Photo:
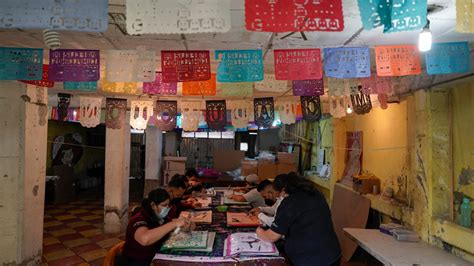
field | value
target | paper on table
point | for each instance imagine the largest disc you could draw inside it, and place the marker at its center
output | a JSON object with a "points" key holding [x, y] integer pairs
{"points": [[198, 217], [248, 244], [242, 219], [194, 239]]}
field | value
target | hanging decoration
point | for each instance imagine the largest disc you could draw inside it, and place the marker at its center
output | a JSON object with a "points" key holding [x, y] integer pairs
{"points": [[400, 60], [383, 100], [447, 58], [216, 114], [270, 84], [401, 85], [464, 16], [241, 89], [186, 65], [337, 87], [74, 65], [21, 63], [311, 108], [131, 65], [140, 114], [64, 100], [203, 88], [190, 115], [90, 108], [240, 113], [352, 86], [338, 105], [159, 87], [347, 62], [298, 64], [376, 85], [286, 108], [115, 111], [395, 16], [177, 17], [310, 87], [264, 112], [361, 103], [118, 87], [166, 113], [239, 65], [290, 15], [84, 15], [80, 86], [44, 82]]}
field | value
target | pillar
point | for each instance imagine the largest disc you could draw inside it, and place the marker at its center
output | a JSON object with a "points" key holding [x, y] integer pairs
{"points": [[117, 172], [23, 138], [153, 151]]}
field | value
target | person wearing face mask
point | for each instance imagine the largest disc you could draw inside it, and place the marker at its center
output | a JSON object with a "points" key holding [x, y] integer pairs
{"points": [[147, 229], [176, 188], [267, 214], [304, 218]]}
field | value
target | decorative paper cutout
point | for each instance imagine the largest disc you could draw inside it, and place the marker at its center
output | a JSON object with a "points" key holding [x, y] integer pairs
{"points": [[216, 115], [240, 113], [90, 108], [290, 15], [398, 60], [21, 63], [131, 65], [361, 103], [383, 98], [393, 15], [64, 100], [264, 112], [311, 108], [338, 106], [298, 64], [177, 16], [190, 115], [195, 239], [159, 87], [243, 89], [44, 82], [376, 85], [84, 15], [140, 113], [286, 108], [269, 83], [311, 87], [347, 62], [81, 86], [115, 111], [185, 66], [74, 65], [401, 84], [337, 87], [446, 58], [118, 87], [207, 87], [464, 16], [239, 65], [166, 112]]}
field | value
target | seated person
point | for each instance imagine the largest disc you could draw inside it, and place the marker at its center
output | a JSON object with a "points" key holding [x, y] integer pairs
{"points": [[176, 188], [267, 214], [304, 218], [195, 185], [147, 229], [251, 182], [255, 197]]}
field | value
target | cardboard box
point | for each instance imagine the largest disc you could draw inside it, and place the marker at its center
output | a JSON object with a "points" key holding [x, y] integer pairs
{"points": [[249, 167], [227, 160], [285, 168], [169, 174], [175, 163], [286, 158], [267, 170]]}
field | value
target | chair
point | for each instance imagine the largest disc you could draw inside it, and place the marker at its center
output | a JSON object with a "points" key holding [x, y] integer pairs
{"points": [[109, 259]]}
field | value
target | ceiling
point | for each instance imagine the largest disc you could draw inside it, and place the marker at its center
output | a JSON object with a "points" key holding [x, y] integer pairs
{"points": [[442, 25]]}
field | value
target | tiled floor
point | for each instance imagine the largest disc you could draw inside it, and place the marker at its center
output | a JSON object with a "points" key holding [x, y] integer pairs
{"points": [[73, 234]]}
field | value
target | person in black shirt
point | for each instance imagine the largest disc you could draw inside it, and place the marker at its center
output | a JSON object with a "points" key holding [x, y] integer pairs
{"points": [[304, 218]]}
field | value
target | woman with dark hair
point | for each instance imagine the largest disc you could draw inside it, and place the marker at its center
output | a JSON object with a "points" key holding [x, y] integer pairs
{"points": [[304, 218], [147, 228]]}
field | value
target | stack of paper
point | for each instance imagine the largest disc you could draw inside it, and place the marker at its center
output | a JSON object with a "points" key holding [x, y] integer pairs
{"points": [[198, 217], [242, 219], [231, 201], [184, 241], [248, 244]]}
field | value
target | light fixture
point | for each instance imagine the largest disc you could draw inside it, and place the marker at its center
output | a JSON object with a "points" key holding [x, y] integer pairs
{"points": [[425, 38], [349, 110], [74, 113]]}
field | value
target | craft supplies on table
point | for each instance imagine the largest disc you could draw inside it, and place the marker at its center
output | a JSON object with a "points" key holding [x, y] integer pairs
{"points": [[182, 240], [388, 228], [242, 219], [248, 244], [198, 217], [228, 201]]}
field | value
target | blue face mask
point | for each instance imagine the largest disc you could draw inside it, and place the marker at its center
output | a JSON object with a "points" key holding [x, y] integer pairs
{"points": [[163, 212]]}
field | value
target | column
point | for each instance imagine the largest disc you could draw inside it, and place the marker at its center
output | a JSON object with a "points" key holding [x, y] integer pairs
{"points": [[117, 171], [23, 138], [153, 151]]}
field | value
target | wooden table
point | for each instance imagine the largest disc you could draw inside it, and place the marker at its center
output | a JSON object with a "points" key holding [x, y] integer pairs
{"points": [[392, 252]]}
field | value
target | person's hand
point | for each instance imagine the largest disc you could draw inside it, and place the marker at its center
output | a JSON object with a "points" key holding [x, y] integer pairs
{"points": [[259, 231], [180, 222], [196, 205], [255, 211], [189, 226]]}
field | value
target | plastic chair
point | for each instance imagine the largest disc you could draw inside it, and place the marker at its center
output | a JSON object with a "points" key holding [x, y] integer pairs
{"points": [[109, 259]]}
